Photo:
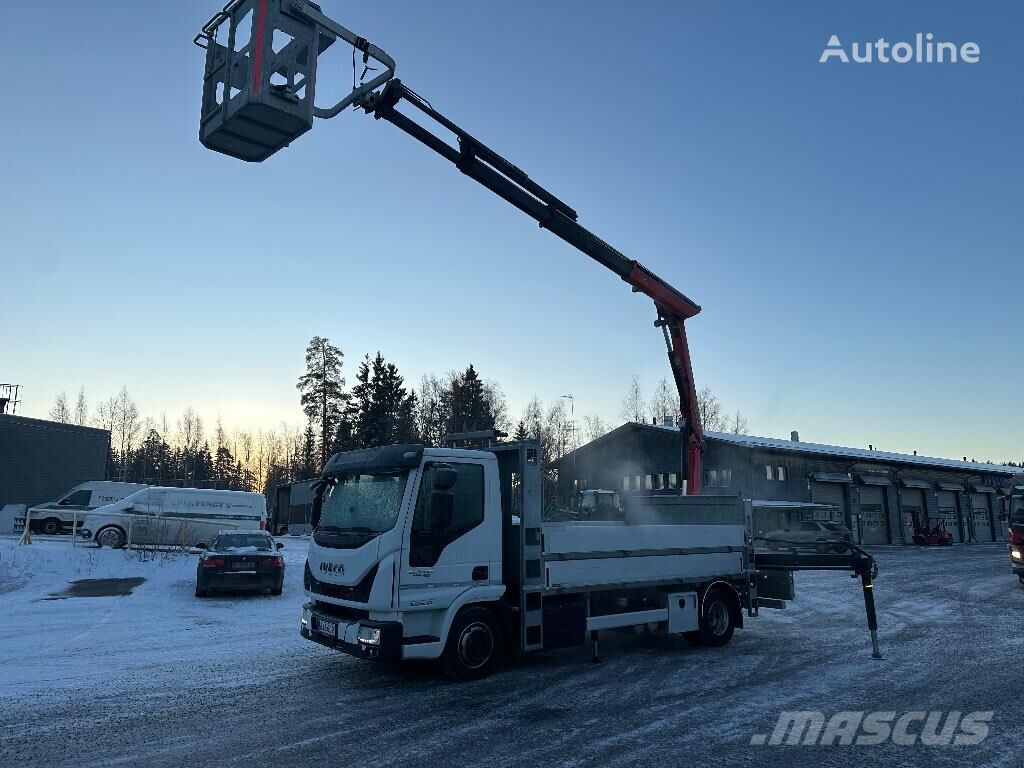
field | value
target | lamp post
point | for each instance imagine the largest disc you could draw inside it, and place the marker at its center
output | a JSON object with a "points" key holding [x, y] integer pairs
{"points": [[572, 426]]}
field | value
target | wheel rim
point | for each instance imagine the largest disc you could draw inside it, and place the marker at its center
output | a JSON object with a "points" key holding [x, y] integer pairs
{"points": [[110, 538], [718, 618], [476, 644], [49, 527]]}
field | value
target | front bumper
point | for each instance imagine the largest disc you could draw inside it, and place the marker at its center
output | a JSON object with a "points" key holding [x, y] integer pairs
{"points": [[346, 635], [241, 579]]}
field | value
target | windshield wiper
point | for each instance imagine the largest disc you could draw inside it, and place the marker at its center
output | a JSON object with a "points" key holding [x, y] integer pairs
{"points": [[347, 529]]}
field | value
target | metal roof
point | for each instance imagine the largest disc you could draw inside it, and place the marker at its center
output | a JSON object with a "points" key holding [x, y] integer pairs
{"points": [[821, 449], [863, 454]]}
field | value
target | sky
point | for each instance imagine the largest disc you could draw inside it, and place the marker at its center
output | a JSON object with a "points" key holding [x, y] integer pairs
{"points": [[853, 232]]}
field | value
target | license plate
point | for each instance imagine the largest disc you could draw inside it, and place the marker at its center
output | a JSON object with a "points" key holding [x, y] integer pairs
{"points": [[245, 565], [325, 627]]}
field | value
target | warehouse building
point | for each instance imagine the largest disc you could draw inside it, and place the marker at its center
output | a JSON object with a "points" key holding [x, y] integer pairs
{"points": [[878, 495], [40, 460]]}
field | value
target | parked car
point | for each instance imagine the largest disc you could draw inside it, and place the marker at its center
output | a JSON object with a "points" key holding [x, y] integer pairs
{"points": [[58, 516], [174, 517], [241, 560], [817, 535]]}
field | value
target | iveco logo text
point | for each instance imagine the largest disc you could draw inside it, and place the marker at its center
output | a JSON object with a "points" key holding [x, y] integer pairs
{"points": [[332, 568], [923, 50]]}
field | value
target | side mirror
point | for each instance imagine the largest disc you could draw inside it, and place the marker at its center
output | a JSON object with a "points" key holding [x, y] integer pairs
{"points": [[439, 510], [280, 544], [444, 478]]}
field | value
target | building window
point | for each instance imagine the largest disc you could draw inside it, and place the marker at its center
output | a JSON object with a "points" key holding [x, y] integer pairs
{"points": [[725, 476], [775, 473], [648, 484], [625, 483], [712, 478], [673, 480], [637, 483], [657, 482], [769, 472], [780, 474]]}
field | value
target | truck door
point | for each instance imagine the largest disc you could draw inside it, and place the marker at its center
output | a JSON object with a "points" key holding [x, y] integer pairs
{"points": [[447, 553]]}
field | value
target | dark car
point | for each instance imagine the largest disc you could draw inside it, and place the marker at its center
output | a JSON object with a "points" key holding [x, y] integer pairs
{"points": [[241, 560]]}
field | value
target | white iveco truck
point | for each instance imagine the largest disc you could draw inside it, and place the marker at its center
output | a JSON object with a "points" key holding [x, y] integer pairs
{"points": [[440, 553]]}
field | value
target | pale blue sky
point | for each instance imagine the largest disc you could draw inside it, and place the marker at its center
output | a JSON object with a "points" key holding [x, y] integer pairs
{"points": [[854, 233]]}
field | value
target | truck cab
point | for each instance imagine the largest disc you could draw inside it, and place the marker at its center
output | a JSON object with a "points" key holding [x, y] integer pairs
{"points": [[404, 536]]}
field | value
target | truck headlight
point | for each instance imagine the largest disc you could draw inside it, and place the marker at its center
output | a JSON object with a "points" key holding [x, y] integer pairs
{"points": [[1015, 554], [369, 635]]}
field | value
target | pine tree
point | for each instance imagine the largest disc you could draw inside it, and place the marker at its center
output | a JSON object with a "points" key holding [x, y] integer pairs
{"points": [[322, 388], [470, 408], [521, 433]]}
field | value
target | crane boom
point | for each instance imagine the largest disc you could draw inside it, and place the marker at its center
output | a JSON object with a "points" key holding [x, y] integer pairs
{"points": [[510, 183], [258, 98]]}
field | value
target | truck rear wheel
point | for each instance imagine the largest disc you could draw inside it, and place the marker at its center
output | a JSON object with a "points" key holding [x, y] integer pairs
{"points": [[474, 646], [717, 619]]}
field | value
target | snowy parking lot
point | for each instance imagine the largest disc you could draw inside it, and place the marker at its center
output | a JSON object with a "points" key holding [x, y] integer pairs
{"points": [[150, 675]]}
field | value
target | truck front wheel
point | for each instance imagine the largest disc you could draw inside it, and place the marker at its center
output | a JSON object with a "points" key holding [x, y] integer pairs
{"points": [[717, 619], [474, 646]]}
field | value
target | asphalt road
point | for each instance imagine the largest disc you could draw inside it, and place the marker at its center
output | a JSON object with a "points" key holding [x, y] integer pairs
{"points": [[951, 627]]}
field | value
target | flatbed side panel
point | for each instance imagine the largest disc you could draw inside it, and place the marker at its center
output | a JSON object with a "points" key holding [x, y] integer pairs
{"points": [[594, 573], [564, 538]]}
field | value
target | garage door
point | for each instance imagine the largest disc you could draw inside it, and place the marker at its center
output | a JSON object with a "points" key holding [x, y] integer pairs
{"points": [[947, 513], [874, 527], [832, 493], [981, 517], [912, 501]]}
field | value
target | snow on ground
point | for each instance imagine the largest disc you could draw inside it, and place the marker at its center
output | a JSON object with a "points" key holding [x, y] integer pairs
{"points": [[159, 634], [161, 678]]}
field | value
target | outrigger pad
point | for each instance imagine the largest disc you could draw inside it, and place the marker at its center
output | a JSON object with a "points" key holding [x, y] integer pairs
{"points": [[258, 86]]}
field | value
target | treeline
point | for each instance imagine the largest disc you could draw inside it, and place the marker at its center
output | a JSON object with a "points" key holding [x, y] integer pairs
{"points": [[379, 408]]}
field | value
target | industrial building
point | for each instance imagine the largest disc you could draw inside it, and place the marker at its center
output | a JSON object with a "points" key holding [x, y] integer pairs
{"points": [[877, 494], [39, 459]]}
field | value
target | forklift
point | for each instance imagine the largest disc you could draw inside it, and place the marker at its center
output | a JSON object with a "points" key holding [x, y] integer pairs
{"points": [[931, 532]]}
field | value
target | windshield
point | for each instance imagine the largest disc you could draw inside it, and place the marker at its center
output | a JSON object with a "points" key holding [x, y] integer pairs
{"points": [[1017, 510], [241, 541], [366, 503]]}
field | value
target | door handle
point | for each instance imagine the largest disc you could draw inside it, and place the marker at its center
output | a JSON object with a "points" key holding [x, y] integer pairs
{"points": [[480, 573]]}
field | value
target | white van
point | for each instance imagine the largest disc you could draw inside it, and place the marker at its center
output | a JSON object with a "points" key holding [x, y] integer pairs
{"points": [[173, 517], [58, 516]]}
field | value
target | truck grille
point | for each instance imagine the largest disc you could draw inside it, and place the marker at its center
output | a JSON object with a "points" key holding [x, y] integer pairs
{"points": [[357, 593]]}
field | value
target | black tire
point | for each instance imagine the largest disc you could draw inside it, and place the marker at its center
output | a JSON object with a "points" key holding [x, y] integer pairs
{"points": [[276, 591], [111, 536], [52, 526], [201, 592], [475, 645], [717, 619], [821, 547]]}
